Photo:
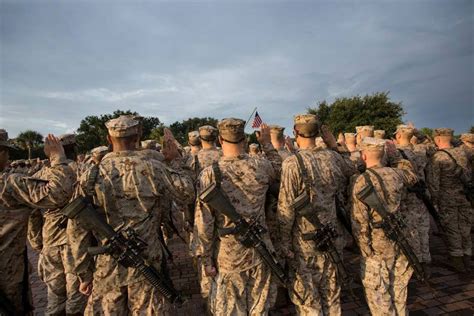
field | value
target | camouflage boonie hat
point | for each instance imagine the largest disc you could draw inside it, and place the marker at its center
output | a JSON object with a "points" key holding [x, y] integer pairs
{"points": [[208, 133], [365, 130], [467, 137], [67, 139], [232, 130], [193, 138], [306, 125], [277, 130], [4, 139], [101, 150], [379, 133], [405, 129], [443, 132], [372, 143], [123, 126], [149, 144]]}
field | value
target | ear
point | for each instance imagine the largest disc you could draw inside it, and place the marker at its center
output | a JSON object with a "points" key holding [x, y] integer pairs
{"points": [[363, 156], [109, 139], [221, 140]]}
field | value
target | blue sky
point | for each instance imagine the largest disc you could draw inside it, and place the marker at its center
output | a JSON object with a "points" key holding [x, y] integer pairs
{"points": [[61, 61]]}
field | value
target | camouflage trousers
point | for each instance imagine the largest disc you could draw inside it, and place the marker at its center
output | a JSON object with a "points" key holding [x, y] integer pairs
{"points": [[424, 234], [54, 269], [249, 292], [138, 298], [457, 221], [385, 283], [412, 218], [207, 285], [315, 281]]}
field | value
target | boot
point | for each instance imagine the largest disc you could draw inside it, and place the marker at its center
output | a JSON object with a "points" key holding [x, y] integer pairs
{"points": [[457, 264], [427, 269], [467, 262]]}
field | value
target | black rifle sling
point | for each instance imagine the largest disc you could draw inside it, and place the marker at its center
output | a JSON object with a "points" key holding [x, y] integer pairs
{"points": [[379, 179], [453, 159]]}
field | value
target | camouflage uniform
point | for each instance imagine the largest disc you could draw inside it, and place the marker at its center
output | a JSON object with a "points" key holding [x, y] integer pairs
{"points": [[17, 195], [445, 183], [243, 283], [278, 140], [414, 211], [379, 134], [314, 274], [385, 270], [128, 188]]}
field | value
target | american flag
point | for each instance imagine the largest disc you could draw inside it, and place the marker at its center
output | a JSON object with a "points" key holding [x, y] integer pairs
{"points": [[257, 121]]}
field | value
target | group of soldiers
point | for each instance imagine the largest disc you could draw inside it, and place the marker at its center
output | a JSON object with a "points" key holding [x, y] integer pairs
{"points": [[262, 220]]}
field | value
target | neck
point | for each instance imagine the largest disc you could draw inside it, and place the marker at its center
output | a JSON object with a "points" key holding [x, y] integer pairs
{"points": [[123, 147], [278, 145], [306, 143], [444, 145], [232, 150], [207, 145], [404, 142], [351, 147], [372, 163], [195, 149]]}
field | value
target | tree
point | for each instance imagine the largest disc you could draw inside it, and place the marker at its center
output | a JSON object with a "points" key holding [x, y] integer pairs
{"points": [[344, 114], [92, 131], [181, 129], [471, 130], [427, 131], [29, 140]]}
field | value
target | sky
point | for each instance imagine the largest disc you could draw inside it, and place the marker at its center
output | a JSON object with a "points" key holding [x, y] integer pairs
{"points": [[62, 61]]}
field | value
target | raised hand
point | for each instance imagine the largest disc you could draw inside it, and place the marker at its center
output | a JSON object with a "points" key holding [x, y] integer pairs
{"points": [[170, 149], [263, 136], [53, 148]]}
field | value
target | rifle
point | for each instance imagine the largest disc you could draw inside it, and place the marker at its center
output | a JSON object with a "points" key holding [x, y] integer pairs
{"points": [[248, 234], [420, 191], [125, 247], [343, 216], [324, 234], [392, 225]]}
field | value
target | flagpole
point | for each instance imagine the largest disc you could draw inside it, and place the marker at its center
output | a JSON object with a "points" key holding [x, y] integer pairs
{"points": [[254, 110]]}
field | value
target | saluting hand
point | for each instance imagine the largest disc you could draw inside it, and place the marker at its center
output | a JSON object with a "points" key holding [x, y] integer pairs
{"points": [[170, 149], [263, 137], [53, 148]]}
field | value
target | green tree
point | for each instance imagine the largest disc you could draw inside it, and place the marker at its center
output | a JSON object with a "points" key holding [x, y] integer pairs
{"points": [[92, 131], [29, 140], [181, 129], [471, 130], [427, 131], [344, 114]]}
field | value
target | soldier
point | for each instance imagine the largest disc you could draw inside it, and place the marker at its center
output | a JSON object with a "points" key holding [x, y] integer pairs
{"points": [[209, 153], [243, 282], [379, 134], [18, 194], [314, 273], [385, 271], [448, 172], [55, 264], [278, 141], [415, 212], [254, 151], [149, 144], [467, 140], [354, 152], [98, 153], [364, 131], [128, 188]]}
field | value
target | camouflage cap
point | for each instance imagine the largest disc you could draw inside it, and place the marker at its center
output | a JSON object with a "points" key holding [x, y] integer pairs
{"points": [[123, 126], [67, 139], [4, 139], [365, 130], [379, 133], [149, 144], [277, 130], [443, 132], [101, 150], [208, 133], [232, 130], [306, 125], [193, 138], [467, 137], [372, 143], [405, 130]]}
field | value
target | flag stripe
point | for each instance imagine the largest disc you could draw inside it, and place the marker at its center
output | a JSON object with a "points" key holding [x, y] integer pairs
{"points": [[257, 121]]}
